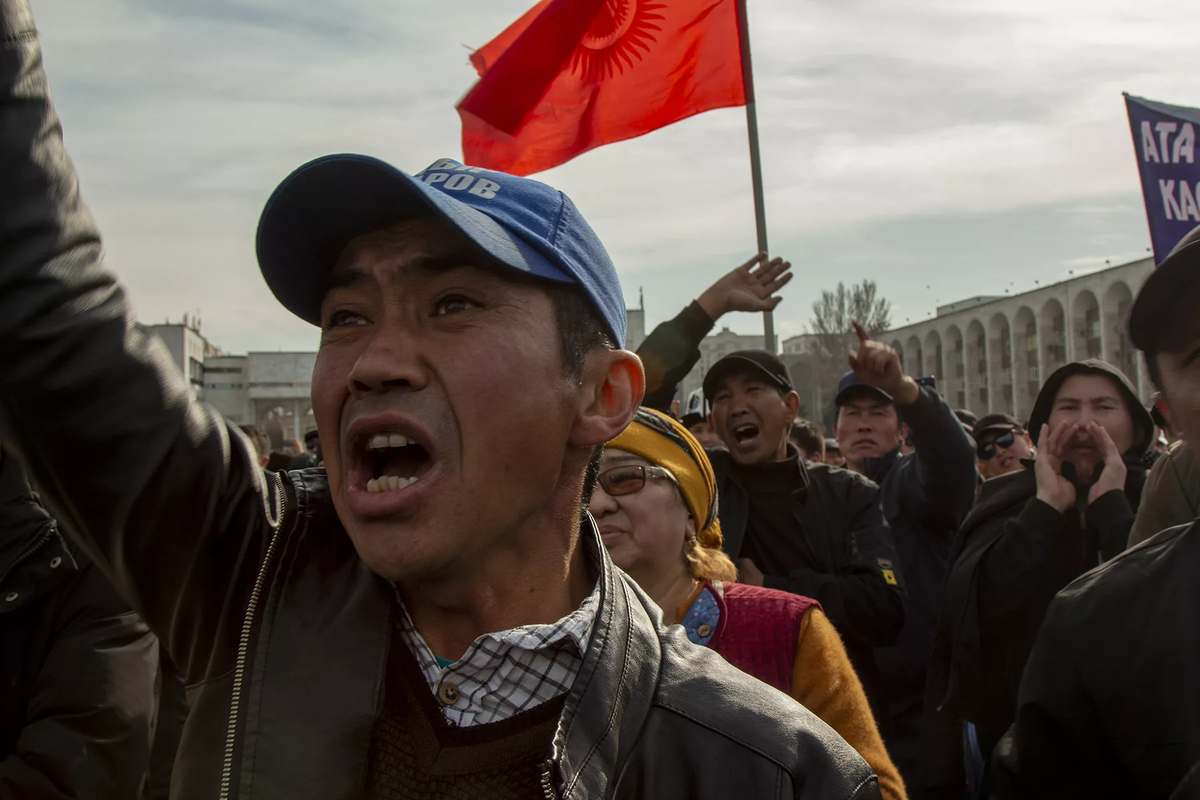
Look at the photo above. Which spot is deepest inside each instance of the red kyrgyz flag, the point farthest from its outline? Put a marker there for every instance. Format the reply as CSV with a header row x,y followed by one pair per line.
x,y
571,75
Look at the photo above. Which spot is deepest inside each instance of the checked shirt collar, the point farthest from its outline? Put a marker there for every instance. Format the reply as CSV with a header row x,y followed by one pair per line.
x,y
507,672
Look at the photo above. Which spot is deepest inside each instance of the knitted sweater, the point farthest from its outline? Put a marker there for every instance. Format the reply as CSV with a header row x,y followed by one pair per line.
x,y
786,640
416,755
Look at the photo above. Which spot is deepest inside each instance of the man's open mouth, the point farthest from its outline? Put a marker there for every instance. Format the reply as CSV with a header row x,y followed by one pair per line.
x,y
745,432
393,461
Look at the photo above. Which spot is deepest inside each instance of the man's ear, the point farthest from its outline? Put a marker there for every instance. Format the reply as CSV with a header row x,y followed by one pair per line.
x,y
612,388
792,401
903,432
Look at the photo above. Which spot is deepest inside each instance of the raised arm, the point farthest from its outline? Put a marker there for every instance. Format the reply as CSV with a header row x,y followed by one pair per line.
x,y
673,348
166,498
941,488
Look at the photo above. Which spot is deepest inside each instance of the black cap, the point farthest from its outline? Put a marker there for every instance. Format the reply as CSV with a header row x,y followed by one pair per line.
x,y
966,417
758,363
996,422
1169,290
851,386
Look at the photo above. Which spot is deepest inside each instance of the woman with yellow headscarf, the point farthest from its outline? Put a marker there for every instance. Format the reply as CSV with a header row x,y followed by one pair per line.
x,y
656,506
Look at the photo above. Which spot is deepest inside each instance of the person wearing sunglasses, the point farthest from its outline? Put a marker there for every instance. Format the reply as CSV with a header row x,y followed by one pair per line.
x,y
1001,444
655,504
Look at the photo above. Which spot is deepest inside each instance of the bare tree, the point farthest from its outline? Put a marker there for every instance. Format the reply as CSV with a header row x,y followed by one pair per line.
x,y
833,333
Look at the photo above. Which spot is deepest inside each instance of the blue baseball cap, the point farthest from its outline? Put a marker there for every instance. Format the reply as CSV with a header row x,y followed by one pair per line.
x,y
850,386
521,223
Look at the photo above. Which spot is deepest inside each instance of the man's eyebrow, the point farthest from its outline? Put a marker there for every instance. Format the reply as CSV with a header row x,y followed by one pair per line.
x,y
348,275
1106,398
1061,400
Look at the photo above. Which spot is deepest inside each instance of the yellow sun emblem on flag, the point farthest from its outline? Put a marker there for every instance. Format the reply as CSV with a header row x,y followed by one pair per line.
x,y
619,36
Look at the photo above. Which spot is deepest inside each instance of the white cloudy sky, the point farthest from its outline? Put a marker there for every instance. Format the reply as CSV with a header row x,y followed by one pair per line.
x,y
944,148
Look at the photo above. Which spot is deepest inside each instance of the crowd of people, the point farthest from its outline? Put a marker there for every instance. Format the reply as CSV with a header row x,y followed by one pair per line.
x,y
509,564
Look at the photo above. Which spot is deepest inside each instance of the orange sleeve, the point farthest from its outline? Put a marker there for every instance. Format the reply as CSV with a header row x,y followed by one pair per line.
x,y
824,682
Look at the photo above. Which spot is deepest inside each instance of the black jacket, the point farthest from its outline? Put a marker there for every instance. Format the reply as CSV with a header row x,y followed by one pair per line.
x,y
925,497
1110,702
859,581
838,514
1012,554
279,629
76,664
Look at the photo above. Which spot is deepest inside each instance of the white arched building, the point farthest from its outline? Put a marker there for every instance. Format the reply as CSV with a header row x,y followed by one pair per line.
x,y
990,354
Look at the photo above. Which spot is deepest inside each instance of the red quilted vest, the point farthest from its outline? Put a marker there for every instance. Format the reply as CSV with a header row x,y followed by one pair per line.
x,y
758,630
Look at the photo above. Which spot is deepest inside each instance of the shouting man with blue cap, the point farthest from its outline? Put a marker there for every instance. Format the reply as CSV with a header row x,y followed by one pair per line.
x,y
432,614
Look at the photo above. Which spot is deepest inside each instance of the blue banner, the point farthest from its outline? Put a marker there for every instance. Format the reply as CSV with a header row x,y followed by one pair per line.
x,y
1165,140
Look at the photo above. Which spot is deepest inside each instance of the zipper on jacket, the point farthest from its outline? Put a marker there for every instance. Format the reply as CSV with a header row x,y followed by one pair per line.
x,y
244,640
548,789
28,553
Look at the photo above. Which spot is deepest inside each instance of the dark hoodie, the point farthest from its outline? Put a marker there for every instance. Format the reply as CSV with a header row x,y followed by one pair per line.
x,y
1012,554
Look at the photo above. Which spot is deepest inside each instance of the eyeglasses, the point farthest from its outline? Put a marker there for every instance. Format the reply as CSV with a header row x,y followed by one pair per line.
x,y
627,480
988,451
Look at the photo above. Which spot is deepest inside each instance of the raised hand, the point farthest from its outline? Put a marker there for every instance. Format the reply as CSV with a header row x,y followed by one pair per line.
x,y
1113,475
1052,488
876,364
750,287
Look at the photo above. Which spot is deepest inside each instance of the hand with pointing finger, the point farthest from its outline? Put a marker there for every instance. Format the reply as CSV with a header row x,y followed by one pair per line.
x,y
876,364
750,287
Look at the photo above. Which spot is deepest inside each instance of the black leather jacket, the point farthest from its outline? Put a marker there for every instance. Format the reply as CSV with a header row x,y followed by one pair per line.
x,y
279,629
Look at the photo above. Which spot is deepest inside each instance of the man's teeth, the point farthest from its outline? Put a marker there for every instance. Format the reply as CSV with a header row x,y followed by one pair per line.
x,y
382,441
389,483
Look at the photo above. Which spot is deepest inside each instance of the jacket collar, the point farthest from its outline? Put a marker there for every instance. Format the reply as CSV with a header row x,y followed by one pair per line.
x,y
336,605
607,706
878,468
740,473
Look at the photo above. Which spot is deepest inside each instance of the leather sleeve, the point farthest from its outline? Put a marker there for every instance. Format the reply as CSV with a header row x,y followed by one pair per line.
x,y
1055,747
670,352
153,484
945,477
89,715
824,682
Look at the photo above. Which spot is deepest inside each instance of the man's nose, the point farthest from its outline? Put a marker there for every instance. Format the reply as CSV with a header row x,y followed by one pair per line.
x,y
601,503
389,360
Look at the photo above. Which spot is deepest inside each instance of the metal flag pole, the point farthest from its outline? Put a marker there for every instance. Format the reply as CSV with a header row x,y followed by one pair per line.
x,y
760,211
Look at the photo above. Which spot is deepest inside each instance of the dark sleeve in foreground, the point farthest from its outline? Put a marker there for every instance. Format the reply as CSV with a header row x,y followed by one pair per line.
x,y
864,599
946,478
670,352
90,713
1054,749
156,487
